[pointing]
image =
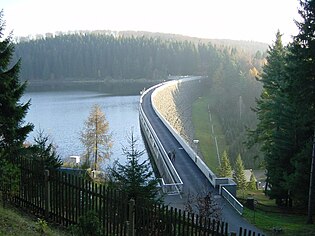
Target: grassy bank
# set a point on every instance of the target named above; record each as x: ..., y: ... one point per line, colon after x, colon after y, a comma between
x: 13, y: 222
x: 203, y: 132
x: 289, y: 224
x: 267, y: 217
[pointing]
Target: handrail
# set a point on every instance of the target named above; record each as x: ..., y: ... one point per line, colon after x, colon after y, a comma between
x: 176, y: 184
x: 177, y: 181
x: 160, y: 146
x: 232, y: 200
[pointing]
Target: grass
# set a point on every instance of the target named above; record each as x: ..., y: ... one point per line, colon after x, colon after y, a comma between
x: 291, y: 224
x: 203, y: 132
x: 13, y: 222
x: 268, y: 216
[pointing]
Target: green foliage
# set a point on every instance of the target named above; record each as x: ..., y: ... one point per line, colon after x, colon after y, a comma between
x: 291, y: 224
x: 44, y: 151
x: 89, y: 225
x: 135, y: 177
x: 274, y: 129
x: 13, y: 222
x: 252, y: 185
x: 225, y: 169
x: 12, y: 112
x: 239, y: 174
x: 286, y: 111
x: 101, y: 56
x: 9, y: 178
x: 41, y: 226
x: 232, y: 94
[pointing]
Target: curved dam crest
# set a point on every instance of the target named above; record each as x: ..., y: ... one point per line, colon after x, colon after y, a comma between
x: 175, y: 101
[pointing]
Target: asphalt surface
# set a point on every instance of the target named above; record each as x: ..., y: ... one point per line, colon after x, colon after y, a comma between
x: 194, y: 180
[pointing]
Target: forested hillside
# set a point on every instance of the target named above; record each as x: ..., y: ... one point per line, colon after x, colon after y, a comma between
x: 231, y: 96
x: 101, y: 55
x: 93, y: 56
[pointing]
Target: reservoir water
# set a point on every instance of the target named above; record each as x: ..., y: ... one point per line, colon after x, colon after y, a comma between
x: 61, y: 115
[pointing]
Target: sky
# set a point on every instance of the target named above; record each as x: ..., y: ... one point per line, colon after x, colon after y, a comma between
x: 251, y: 20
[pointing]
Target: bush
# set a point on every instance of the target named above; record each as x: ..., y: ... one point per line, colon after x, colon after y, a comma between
x: 89, y: 224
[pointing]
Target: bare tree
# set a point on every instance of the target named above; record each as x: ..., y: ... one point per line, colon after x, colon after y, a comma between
x: 96, y: 137
x: 203, y: 204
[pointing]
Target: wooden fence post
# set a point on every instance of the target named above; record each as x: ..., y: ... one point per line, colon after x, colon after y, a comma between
x: 131, y: 228
x: 47, y: 194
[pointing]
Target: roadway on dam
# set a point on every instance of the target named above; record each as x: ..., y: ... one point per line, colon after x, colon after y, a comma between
x: 194, y: 181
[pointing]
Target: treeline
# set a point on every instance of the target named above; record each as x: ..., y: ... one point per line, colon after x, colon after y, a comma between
x: 97, y: 56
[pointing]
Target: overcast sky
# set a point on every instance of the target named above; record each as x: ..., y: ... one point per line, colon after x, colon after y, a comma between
x: 256, y: 20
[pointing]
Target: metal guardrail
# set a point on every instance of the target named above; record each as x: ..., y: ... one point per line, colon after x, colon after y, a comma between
x: 176, y: 184
x: 232, y: 200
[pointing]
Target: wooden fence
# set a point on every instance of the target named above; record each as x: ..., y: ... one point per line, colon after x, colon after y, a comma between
x: 63, y: 198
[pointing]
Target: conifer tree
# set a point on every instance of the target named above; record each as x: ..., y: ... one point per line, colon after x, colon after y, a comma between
x: 135, y: 177
x: 275, y: 128
x: 12, y: 112
x: 286, y: 112
x: 96, y: 138
x: 301, y: 89
x: 225, y: 168
x: 239, y: 174
x: 45, y: 151
x: 252, y: 182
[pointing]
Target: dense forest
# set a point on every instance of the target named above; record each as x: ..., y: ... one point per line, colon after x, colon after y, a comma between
x: 94, y: 56
x: 232, y: 96
x: 100, y: 55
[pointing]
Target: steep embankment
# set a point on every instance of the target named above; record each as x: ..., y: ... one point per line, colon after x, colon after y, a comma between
x: 175, y: 101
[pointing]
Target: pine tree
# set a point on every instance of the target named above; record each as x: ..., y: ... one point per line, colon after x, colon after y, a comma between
x: 225, y: 168
x: 45, y: 151
x: 301, y: 90
x: 252, y: 182
x: 12, y: 112
x: 96, y: 138
x: 135, y: 178
x: 239, y: 174
x: 275, y: 129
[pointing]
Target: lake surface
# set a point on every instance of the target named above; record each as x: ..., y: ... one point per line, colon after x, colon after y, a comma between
x: 62, y: 114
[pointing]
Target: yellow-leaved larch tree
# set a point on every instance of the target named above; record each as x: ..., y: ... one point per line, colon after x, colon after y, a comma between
x: 96, y: 138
